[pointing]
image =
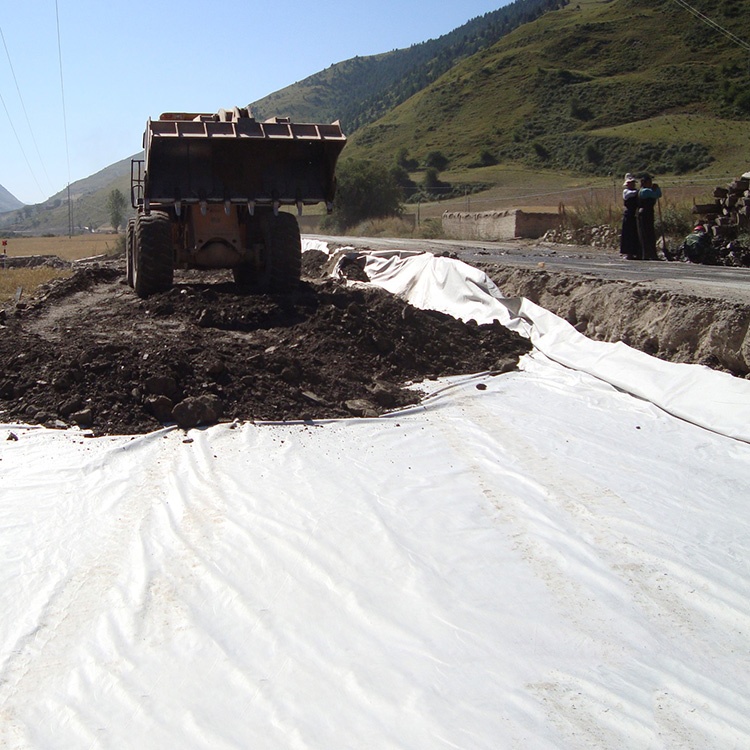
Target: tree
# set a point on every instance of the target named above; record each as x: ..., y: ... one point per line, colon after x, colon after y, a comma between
x: 402, y: 179
x: 432, y: 179
x: 437, y: 160
x: 403, y: 160
x: 365, y: 190
x: 116, y: 207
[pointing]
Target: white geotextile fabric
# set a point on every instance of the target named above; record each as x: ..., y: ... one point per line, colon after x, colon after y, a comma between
x: 547, y: 562
x: 712, y: 399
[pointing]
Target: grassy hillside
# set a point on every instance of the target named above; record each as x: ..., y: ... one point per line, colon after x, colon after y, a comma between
x: 360, y: 90
x: 599, y: 87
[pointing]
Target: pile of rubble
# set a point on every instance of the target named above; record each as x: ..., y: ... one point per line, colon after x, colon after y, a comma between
x: 33, y: 261
x: 729, y: 215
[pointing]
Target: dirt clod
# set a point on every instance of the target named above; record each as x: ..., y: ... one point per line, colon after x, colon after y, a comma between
x: 91, y: 353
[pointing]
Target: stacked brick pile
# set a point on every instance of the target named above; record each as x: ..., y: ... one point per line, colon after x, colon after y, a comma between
x: 729, y: 214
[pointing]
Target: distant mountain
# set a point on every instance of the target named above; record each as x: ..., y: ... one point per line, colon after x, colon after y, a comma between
x: 88, y: 201
x: 101, y: 179
x: 8, y: 201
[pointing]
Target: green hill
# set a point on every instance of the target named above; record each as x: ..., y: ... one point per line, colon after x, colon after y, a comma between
x: 599, y: 87
x: 88, y: 201
x: 360, y: 90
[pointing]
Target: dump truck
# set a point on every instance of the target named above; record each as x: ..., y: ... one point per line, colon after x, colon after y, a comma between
x: 213, y: 191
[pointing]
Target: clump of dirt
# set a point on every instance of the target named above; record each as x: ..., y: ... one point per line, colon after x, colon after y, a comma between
x: 91, y: 353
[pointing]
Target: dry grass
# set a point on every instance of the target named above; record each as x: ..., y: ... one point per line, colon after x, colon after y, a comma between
x: 26, y: 279
x: 68, y: 248
x: 406, y: 228
x: 674, y: 217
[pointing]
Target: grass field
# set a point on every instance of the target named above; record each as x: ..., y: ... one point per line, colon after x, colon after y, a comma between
x: 27, y: 280
x: 68, y: 248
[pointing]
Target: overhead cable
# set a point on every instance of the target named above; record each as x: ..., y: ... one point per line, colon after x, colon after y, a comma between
x: 26, y: 115
x: 20, y: 145
x: 710, y: 22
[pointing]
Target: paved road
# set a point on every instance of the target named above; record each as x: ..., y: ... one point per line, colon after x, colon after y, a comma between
x: 732, y: 284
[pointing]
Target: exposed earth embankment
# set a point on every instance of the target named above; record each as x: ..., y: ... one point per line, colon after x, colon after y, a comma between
x: 670, y: 325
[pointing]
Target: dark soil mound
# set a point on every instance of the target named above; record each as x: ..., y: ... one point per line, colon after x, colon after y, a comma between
x: 89, y: 352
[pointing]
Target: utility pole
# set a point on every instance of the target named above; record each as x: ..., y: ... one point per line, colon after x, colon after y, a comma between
x: 70, y: 214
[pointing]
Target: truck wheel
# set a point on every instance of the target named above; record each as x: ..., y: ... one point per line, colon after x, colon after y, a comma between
x: 129, y: 251
x: 153, y: 267
x: 284, y: 252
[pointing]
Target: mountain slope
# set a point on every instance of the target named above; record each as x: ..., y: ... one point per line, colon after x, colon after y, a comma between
x: 360, y: 90
x: 584, y: 89
x: 88, y: 199
x: 8, y: 201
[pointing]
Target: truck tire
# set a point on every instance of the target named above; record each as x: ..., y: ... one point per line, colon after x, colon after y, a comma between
x: 129, y: 251
x: 284, y: 252
x: 244, y: 275
x: 153, y: 267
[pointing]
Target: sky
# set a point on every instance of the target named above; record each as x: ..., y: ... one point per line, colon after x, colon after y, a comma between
x: 124, y: 62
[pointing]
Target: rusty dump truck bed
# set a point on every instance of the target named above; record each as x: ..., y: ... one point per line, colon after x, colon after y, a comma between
x: 232, y: 157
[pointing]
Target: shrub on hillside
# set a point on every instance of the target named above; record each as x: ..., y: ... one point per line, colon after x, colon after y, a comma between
x: 436, y: 160
x: 603, y: 155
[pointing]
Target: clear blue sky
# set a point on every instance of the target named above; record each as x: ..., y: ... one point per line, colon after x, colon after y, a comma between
x: 123, y: 62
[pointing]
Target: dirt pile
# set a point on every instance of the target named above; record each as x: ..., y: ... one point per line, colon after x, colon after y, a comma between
x: 89, y: 352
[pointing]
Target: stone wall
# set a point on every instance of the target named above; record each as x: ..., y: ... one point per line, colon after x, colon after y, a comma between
x: 498, y: 225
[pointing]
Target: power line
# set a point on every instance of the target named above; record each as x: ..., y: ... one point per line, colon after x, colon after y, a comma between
x: 20, y: 145
x: 710, y: 22
x: 28, y: 122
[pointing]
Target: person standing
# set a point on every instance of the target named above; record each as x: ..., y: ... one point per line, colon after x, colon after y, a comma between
x: 630, y: 247
x: 649, y: 193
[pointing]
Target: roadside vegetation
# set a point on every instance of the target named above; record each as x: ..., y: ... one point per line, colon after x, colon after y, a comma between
x: 28, y: 280
x: 674, y: 218
x: 16, y: 283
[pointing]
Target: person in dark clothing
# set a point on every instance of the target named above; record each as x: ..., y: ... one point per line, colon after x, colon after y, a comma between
x: 697, y: 247
x: 649, y: 193
x: 630, y: 247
